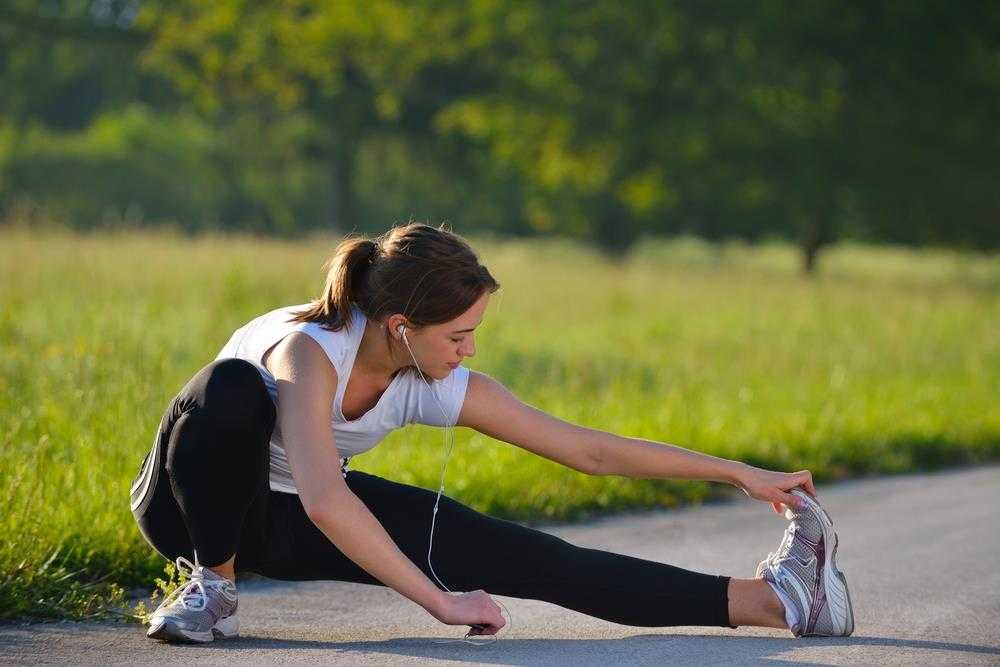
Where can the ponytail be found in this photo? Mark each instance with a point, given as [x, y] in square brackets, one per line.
[346, 272]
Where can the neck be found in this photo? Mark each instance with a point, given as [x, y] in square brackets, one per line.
[375, 358]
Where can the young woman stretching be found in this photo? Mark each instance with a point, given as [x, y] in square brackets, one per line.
[248, 470]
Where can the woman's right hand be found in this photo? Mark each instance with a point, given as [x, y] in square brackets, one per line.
[474, 608]
[774, 487]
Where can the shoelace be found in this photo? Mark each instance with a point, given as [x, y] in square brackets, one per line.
[784, 547]
[192, 595]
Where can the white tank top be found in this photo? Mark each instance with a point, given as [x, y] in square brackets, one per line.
[406, 400]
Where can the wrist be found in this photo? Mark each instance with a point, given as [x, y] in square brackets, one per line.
[438, 604]
[733, 472]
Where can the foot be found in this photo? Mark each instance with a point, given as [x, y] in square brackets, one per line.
[201, 610]
[804, 568]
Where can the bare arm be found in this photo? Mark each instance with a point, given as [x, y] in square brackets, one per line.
[493, 410]
[306, 386]
[635, 457]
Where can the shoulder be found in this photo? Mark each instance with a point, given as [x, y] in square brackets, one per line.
[336, 345]
[300, 357]
[486, 400]
[483, 383]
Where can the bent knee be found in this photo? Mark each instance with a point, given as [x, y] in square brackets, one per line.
[234, 389]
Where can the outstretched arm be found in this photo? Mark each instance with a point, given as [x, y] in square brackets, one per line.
[493, 410]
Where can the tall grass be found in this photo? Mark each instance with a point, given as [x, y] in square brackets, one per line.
[887, 361]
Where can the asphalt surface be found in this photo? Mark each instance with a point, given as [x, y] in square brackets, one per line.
[920, 553]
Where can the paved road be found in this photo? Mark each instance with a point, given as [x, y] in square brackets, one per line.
[919, 551]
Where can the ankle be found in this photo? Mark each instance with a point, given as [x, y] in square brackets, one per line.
[784, 612]
[753, 602]
[225, 570]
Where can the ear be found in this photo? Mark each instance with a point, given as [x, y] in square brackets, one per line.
[393, 322]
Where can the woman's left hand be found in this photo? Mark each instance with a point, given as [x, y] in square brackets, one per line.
[773, 487]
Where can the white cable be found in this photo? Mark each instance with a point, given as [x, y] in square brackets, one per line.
[449, 431]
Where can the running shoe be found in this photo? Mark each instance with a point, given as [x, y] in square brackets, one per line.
[200, 610]
[804, 567]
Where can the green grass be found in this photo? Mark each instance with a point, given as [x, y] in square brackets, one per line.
[888, 361]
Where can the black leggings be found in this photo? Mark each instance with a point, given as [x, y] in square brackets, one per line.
[204, 487]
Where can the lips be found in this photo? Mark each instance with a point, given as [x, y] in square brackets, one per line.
[453, 366]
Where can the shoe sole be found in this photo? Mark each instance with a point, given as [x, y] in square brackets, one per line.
[168, 631]
[838, 597]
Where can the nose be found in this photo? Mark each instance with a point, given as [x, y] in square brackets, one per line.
[470, 348]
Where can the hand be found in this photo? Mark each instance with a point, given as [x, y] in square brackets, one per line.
[773, 487]
[475, 608]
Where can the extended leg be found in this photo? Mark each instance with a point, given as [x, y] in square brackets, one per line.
[472, 550]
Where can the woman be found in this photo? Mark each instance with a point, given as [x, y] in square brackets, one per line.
[248, 470]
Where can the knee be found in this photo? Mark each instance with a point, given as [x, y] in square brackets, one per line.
[233, 390]
[201, 441]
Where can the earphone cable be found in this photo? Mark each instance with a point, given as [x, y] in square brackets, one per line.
[450, 439]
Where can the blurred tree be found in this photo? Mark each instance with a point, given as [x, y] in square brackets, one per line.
[808, 120]
[358, 69]
[924, 88]
[878, 117]
[663, 118]
[95, 139]
[69, 59]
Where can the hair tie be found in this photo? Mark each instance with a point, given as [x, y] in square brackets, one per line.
[373, 253]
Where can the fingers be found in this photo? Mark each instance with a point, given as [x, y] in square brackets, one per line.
[780, 496]
[484, 629]
[493, 620]
[807, 482]
[790, 501]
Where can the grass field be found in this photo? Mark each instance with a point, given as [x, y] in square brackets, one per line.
[888, 361]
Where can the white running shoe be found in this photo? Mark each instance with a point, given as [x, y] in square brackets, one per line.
[201, 610]
[804, 567]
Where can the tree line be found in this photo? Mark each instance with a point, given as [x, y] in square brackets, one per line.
[810, 121]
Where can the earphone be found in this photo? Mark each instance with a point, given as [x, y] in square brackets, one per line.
[401, 330]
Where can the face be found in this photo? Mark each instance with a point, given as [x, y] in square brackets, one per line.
[440, 348]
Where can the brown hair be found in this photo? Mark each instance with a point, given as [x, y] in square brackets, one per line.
[429, 274]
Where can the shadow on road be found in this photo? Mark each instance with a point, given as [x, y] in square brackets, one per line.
[688, 648]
